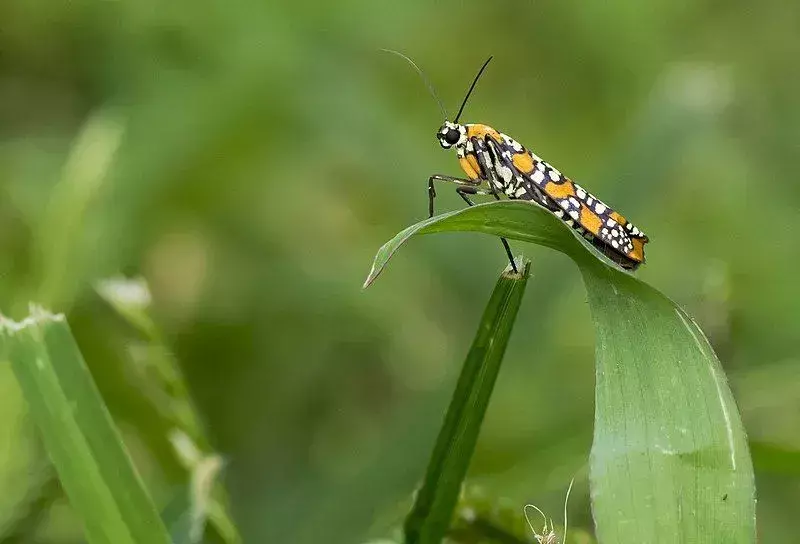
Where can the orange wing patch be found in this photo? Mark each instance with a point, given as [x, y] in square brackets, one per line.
[523, 162]
[618, 218]
[637, 253]
[560, 190]
[589, 220]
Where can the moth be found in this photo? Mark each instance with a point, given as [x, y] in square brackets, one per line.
[495, 164]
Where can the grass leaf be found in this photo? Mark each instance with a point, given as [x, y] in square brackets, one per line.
[79, 435]
[669, 460]
[434, 504]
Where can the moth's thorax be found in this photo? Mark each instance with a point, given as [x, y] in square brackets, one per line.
[478, 130]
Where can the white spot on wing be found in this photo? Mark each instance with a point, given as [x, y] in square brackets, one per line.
[505, 173]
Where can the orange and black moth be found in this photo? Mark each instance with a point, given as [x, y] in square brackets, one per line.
[496, 164]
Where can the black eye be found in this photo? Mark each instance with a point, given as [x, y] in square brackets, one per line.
[452, 136]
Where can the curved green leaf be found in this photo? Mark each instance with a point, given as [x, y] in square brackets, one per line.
[669, 460]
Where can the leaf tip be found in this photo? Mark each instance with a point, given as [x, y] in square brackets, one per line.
[37, 315]
[370, 277]
[521, 268]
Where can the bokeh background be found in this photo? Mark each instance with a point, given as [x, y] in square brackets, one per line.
[248, 158]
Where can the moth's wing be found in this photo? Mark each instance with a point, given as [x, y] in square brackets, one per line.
[606, 212]
[589, 212]
[510, 165]
[615, 230]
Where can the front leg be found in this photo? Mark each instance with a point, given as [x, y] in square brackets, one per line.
[449, 179]
[486, 164]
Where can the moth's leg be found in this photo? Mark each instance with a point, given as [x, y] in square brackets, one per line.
[449, 179]
[463, 192]
[481, 151]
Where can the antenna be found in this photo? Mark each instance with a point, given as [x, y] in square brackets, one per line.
[469, 92]
[424, 78]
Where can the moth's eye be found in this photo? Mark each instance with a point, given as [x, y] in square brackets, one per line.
[452, 136]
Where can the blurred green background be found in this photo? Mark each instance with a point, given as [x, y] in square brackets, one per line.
[248, 158]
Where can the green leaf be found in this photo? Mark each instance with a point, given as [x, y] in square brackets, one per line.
[433, 507]
[79, 435]
[669, 460]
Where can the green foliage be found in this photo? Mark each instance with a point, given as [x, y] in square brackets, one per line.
[669, 459]
[246, 158]
[81, 439]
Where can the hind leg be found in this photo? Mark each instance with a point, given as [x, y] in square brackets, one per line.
[463, 192]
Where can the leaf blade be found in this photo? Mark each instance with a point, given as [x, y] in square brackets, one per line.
[660, 471]
[78, 432]
[668, 439]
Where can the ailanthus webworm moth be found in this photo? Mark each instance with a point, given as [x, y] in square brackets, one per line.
[495, 164]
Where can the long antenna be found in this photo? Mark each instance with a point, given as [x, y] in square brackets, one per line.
[469, 92]
[423, 76]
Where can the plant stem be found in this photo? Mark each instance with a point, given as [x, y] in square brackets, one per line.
[433, 508]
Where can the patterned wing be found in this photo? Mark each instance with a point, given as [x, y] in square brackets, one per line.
[615, 230]
[592, 214]
[515, 184]
[579, 208]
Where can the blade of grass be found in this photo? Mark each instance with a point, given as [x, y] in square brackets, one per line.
[434, 504]
[79, 435]
[165, 387]
[669, 460]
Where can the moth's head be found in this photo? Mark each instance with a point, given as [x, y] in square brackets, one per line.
[451, 134]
